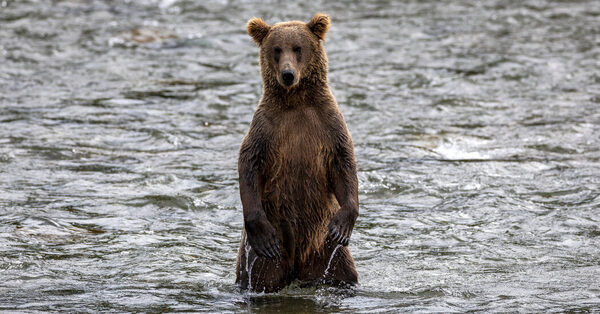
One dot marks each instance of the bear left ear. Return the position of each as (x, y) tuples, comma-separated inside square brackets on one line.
[(319, 25), (258, 29)]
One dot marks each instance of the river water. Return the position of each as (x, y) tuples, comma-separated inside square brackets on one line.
[(476, 129)]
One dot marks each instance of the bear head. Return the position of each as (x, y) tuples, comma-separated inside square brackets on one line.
[(291, 52)]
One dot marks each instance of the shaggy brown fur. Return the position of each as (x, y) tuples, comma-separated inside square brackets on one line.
[(297, 169)]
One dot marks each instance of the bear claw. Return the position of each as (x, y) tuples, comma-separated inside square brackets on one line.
[(336, 236)]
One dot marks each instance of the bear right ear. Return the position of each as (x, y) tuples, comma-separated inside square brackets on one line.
[(319, 25), (257, 29)]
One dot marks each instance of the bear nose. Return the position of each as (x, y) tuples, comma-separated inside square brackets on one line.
[(288, 77)]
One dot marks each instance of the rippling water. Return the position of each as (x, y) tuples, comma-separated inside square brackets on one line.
[(477, 135)]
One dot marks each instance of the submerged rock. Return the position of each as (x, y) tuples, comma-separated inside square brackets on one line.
[(145, 36)]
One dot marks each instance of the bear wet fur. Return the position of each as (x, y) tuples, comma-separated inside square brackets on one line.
[(297, 170)]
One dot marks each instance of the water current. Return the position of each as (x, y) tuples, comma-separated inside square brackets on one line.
[(476, 129)]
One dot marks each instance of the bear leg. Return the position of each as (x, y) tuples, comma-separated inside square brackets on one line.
[(334, 267), (339, 267), (260, 274)]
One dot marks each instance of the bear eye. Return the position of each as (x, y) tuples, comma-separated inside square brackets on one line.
[(297, 49), (277, 50)]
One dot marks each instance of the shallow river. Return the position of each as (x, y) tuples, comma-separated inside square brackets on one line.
[(476, 128)]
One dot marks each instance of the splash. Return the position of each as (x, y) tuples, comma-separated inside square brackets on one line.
[(250, 273), (249, 267), (248, 248), (330, 259)]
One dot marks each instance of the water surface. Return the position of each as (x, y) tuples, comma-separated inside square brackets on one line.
[(476, 128)]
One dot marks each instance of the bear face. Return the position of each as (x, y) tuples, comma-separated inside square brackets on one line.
[(290, 51)]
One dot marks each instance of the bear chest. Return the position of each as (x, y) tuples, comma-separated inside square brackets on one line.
[(297, 175), (301, 143)]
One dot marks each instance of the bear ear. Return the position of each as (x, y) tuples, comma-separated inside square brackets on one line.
[(257, 29), (319, 25)]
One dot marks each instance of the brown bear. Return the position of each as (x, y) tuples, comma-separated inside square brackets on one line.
[(297, 170)]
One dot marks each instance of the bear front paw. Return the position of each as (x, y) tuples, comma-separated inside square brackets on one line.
[(263, 238), (340, 227)]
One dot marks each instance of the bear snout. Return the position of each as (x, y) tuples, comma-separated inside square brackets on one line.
[(288, 76)]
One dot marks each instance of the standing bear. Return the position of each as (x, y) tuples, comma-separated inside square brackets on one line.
[(297, 170)]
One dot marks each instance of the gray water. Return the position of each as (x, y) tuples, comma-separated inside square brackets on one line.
[(476, 129)]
